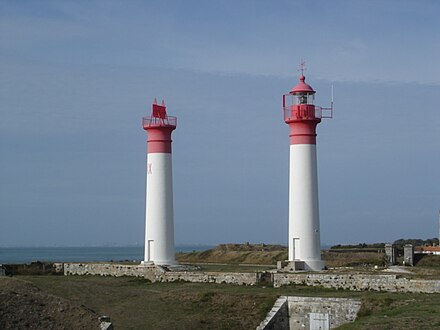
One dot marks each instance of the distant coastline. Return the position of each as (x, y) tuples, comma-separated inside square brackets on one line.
[(15, 255), (28, 254)]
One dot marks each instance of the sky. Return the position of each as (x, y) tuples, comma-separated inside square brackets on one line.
[(76, 77)]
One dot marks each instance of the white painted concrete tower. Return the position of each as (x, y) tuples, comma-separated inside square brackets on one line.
[(159, 213), (302, 117)]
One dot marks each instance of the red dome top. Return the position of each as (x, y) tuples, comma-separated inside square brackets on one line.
[(302, 87)]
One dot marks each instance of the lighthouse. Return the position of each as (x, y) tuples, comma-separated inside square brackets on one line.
[(159, 213), (303, 116)]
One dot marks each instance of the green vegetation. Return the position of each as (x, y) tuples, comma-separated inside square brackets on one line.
[(398, 243), (416, 242), (397, 311), (137, 304), (363, 246), (351, 258)]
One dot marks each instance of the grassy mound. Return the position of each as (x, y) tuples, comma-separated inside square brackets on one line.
[(265, 254), (349, 259), (24, 306), (258, 254), (428, 261)]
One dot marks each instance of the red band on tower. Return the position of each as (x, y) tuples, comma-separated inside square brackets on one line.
[(159, 139), (303, 132)]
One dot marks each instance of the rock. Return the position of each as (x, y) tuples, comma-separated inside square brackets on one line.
[(106, 326)]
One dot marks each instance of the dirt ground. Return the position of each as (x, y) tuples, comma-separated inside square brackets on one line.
[(24, 306)]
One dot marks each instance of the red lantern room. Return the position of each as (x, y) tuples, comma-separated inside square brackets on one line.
[(299, 103)]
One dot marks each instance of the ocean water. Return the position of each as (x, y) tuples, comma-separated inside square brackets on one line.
[(17, 255)]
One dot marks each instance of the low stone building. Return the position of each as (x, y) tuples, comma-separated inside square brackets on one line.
[(291, 313)]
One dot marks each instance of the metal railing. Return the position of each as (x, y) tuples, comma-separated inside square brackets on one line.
[(299, 113), (325, 112), (159, 122)]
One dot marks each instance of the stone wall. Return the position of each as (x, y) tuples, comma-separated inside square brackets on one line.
[(359, 282), (211, 277), (58, 267), (278, 316), (310, 313), (103, 269), (158, 274), (355, 282)]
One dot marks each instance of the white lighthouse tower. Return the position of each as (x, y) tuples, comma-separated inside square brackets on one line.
[(159, 214), (302, 117)]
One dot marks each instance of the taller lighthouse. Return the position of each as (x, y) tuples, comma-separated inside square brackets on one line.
[(159, 213), (303, 117)]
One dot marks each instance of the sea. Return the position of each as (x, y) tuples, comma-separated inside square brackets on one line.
[(20, 255)]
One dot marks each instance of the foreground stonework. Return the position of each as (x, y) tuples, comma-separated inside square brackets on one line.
[(159, 274), (278, 316), (358, 282), (310, 313)]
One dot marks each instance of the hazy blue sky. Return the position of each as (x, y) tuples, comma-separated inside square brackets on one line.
[(77, 76)]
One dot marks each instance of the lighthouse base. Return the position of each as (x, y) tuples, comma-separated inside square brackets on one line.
[(314, 265), (166, 263), (300, 265), (160, 263)]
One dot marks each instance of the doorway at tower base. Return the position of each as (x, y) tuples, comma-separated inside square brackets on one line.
[(298, 265)]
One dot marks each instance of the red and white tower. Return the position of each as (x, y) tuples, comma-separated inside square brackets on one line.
[(302, 117), (159, 213)]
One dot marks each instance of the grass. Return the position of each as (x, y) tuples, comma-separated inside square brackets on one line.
[(235, 257), (350, 259), (431, 261), (404, 311), (238, 268), (135, 303)]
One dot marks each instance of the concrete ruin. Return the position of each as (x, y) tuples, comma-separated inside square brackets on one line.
[(408, 255), (291, 313), (390, 254)]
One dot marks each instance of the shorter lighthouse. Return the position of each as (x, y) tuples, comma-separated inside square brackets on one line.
[(303, 116), (159, 213)]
